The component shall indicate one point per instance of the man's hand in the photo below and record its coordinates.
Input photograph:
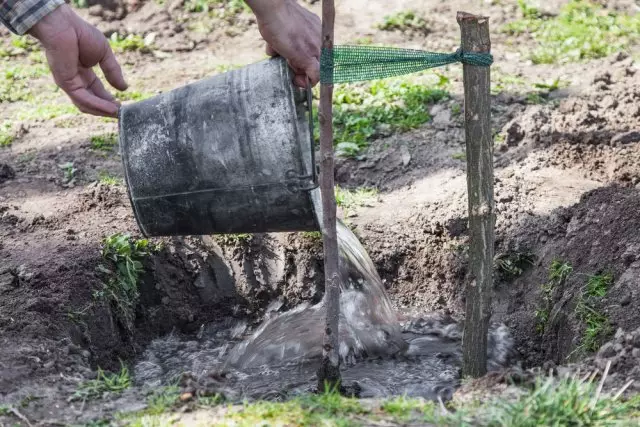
(73, 47)
(292, 32)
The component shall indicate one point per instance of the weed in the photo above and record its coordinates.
(459, 156)
(456, 109)
(80, 4)
(124, 256)
(163, 399)
(210, 401)
(348, 200)
(104, 142)
(77, 316)
(46, 111)
(559, 271)
(312, 235)
(130, 43)
(24, 42)
(563, 403)
(132, 95)
(597, 326)
(69, 172)
(5, 410)
(582, 30)
(104, 383)
(364, 112)
(236, 239)
(6, 134)
(511, 265)
(598, 285)
(225, 9)
(404, 408)
(405, 21)
(105, 178)
(363, 41)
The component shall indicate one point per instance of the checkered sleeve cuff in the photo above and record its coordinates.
(20, 15)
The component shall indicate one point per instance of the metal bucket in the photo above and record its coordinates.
(232, 153)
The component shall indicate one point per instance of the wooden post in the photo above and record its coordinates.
(329, 371)
(477, 121)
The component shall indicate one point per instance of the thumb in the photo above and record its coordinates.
(271, 51)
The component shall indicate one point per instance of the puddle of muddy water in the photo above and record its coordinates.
(381, 356)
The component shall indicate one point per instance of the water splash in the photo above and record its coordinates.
(420, 357)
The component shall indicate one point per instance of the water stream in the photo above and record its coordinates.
(380, 355)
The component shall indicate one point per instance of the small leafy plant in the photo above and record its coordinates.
(405, 21)
(69, 172)
(122, 270)
(104, 383)
(597, 326)
(104, 142)
(559, 272)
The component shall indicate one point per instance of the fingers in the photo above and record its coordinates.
(270, 51)
(111, 68)
(90, 103)
(313, 72)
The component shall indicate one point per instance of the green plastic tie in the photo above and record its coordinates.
(345, 64)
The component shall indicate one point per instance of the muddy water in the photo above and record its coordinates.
(380, 355)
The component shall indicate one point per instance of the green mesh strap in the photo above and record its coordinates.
(344, 64)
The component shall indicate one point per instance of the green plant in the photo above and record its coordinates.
(597, 325)
(566, 402)
(404, 409)
(582, 30)
(6, 134)
(511, 265)
(132, 95)
(105, 178)
(46, 111)
(405, 21)
(559, 272)
(5, 410)
(124, 257)
(130, 43)
(69, 172)
(80, 4)
(459, 156)
(456, 109)
(236, 239)
(162, 399)
(104, 142)
(599, 284)
(104, 383)
(218, 8)
(348, 200)
(312, 235)
(366, 111)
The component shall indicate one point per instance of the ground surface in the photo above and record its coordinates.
(567, 196)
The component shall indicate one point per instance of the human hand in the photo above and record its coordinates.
(73, 47)
(292, 32)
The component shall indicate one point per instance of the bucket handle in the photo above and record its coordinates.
(291, 175)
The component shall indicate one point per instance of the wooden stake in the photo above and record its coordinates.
(329, 371)
(477, 121)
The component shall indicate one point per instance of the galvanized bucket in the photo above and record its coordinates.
(232, 153)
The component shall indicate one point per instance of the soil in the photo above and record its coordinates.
(567, 187)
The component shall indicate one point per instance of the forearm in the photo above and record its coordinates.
(20, 15)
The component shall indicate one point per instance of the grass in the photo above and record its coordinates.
(46, 111)
(348, 200)
(597, 325)
(462, 156)
(104, 383)
(364, 112)
(549, 402)
(405, 21)
(107, 179)
(6, 134)
(559, 272)
(582, 30)
(104, 142)
(130, 43)
(132, 95)
(511, 265)
(123, 258)
(236, 239)
(69, 172)
(224, 9)
(312, 235)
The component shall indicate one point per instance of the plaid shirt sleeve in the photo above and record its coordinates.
(20, 15)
